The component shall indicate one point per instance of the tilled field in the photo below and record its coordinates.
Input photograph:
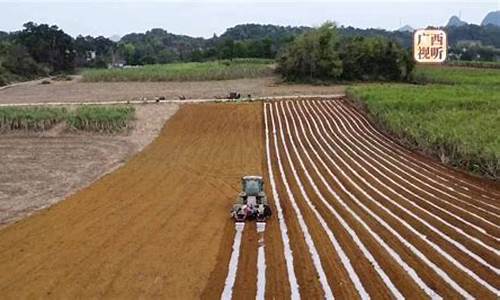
(360, 217)
(355, 216)
(152, 228)
(41, 168)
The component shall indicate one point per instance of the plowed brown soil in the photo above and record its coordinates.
(159, 226)
(154, 228)
(39, 169)
(382, 205)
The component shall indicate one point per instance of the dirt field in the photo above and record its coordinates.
(40, 169)
(355, 216)
(77, 91)
(153, 228)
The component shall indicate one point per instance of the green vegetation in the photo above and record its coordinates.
(457, 75)
(218, 70)
(475, 64)
(106, 119)
(157, 46)
(40, 49)
(322, 55)
(312, 56)
(458, 122)
(17, 65)
(101, 119)
(30, 118)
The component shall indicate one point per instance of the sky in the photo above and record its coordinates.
(204, 18)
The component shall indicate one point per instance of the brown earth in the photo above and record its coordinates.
(78, 91)
(40, 169)
(152, 228)
(159, 226)
(368, 194)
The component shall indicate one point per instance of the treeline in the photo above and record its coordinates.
(323, 55)
(241, 41)
(39, 50)
(267, 41)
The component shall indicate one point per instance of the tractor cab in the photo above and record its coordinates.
(252, 185)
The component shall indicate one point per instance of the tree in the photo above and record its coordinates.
(312, 56)
(321, 55)
(127, 51)
(48, 45)
(226, 49)
(17, 64)
(375, 58)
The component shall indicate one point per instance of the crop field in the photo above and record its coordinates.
(458, 75)
(107, 119)
(216, 70)
(352, 222)
(33, 118)
(354, 216)
(476, 64)
(458, 122)
(101, 119)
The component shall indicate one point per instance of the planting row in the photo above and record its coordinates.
(456, 123)
(107, 119)
(360, 216)
(217, 70)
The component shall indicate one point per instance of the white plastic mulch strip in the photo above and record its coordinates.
(227, 293)
(292, 279)
(300, 218)
(410, 271)
(261, 262)
(444, 275)
(336, 245)
(427, 224)
(423, 237)
(403, 154)
(378, 147)
(344, 258)
(402, 178)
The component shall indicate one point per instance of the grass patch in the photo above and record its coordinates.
(217, 70)
(458, 123)
(457, 75)
(475, 64)
(30, 118)
(96, 118)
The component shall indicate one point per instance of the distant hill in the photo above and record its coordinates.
(158, 45)
(492, 18)
(406, 28)
(258, 31)
(455, 22)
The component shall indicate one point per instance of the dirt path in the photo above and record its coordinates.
(77, 91)
(153, 228)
